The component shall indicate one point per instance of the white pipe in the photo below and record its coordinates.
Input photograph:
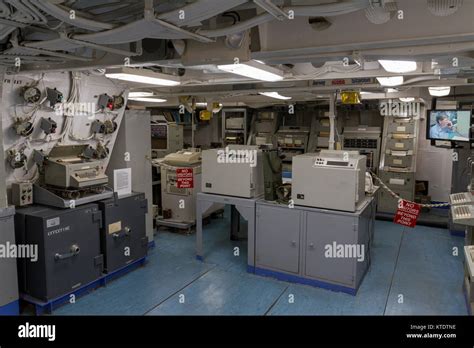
(332, 123)
(62, 13)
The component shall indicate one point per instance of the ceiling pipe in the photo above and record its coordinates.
(327, 10)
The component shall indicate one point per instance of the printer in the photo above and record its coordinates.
(184, 157)
(330, 179)
(236, 170)
(66, 167)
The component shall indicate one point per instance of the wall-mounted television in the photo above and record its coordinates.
(450, 125)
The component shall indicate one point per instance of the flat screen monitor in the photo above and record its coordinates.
(451, 125)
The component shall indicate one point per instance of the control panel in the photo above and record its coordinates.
(461, 198)
(463, 214)
(22, 193)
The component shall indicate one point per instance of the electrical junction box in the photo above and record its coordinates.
(238, 172)
(68, 254)
(330, 179)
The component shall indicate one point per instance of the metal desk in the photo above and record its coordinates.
(245, 206)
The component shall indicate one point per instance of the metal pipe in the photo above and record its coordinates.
(332, 119)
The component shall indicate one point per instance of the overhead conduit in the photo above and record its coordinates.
(63, 14)
(164, 26)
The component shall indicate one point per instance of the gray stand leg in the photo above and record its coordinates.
(201, 208)
(249, 215)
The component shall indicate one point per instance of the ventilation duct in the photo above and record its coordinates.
(443, 8)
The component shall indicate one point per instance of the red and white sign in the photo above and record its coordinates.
(184, 178)
(407, 213)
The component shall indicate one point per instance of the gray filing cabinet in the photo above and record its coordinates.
(8, 270)
(292, 242)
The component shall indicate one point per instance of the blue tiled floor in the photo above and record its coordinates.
(415, 263)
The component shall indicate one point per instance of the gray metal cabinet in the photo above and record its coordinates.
(293, 244)
(323, 231)
(278, 238)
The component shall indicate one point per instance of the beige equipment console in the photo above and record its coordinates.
(66, 168)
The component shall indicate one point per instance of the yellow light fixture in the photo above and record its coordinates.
(205, 115)
(350, 97)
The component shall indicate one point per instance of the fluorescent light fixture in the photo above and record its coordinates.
(201, 104)
(398, 66)
(148, 100)
(275, 95)
(407, 99)
(254, 70)
(392, 90)
(390, 81)
(140, 94)
(439, 91)
(142, 76)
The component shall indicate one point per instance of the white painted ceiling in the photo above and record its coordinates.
(98, 34)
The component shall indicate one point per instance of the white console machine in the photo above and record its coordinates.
(329, 179)
(236, 170)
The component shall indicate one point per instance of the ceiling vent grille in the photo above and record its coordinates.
(443, 8)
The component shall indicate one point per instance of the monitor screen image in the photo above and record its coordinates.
(453, 125)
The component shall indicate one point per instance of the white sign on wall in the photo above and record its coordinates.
(123, 181)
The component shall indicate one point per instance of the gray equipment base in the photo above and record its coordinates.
(292, 244)
(43, 196)
(245, 206)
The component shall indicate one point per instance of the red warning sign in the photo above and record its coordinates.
(184, 178)
(407, 213)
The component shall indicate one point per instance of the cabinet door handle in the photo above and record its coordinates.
(293, 242)
(311, 245)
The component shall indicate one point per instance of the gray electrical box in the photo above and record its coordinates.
(123, 235)
(22, 193)
(8, 267)
(68, 249)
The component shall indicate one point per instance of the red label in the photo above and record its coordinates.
(184, 178)
(338, 82)
(407, 213)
